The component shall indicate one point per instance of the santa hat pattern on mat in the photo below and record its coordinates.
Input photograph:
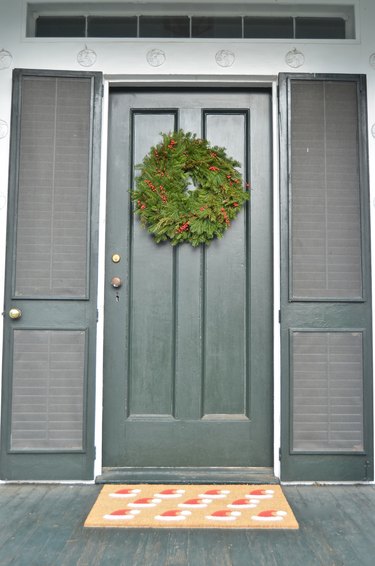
(121, 514)
(170, 493)
(270, 515)
(243, 504)
(145, 502)
(173, 515)
(260, 494)
(215, 493)
(224, 515)
(125, 493)
(197, 503)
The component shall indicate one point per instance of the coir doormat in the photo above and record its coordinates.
(192, 506)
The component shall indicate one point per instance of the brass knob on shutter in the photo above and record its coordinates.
(15, 313)
(116, 282)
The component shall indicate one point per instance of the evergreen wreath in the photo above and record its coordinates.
(166, 205)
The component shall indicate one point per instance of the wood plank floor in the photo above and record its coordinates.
(41, 525)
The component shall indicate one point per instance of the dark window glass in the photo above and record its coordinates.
(216, 27)
(111, 27)
(60, 26)
(320, 28)
(268, 27)
(164, 26)
(201, 26)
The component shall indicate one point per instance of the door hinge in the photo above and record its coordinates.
(94, 452)
(102, 91)
(279, 316)
(280, 453)
(97, 315)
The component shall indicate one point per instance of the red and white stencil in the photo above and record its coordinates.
(125, 493)
(260, 494)
(224, 515)
(243, 504)
(170, 493)
(215, 493)
(270, 515)
(121, 514)
(173, 515)
(198, 503)
(144, 502)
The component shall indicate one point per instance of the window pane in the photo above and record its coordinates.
(325, 191)
(268, 27)
(111, 27)
(327, 391)
(216, 27)
(164, 26)
(60, 26)
(320, 28)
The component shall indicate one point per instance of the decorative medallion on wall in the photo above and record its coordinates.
(156, 57)
(225, 58)
(372, 60)
(294, 58)
(373, 131)
(86, 57)
(3, 129)
(5, 59)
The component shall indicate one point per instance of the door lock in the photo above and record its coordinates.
(15, 313)
(116, 258)
(116, 282)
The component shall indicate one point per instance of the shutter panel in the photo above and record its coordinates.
(325, 195)
(326, 285)
(53, 188)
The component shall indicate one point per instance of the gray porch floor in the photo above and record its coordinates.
(41, 525)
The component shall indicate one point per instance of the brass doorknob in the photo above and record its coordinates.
(15, 313)
(116, 282)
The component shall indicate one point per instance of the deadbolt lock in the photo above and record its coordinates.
(116, 258)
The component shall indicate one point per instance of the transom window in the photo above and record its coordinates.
(256, 21)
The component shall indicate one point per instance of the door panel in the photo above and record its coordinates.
(188, 337)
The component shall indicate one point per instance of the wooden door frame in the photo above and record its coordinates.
(186, 81)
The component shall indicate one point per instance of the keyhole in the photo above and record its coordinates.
(117, 297)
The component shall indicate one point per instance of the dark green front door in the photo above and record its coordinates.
(188, 336)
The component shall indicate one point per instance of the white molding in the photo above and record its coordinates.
(98, 435)
(276, 285)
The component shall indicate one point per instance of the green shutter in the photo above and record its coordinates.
(326, 280)
(51, 276)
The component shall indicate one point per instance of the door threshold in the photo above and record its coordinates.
(188, 475)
